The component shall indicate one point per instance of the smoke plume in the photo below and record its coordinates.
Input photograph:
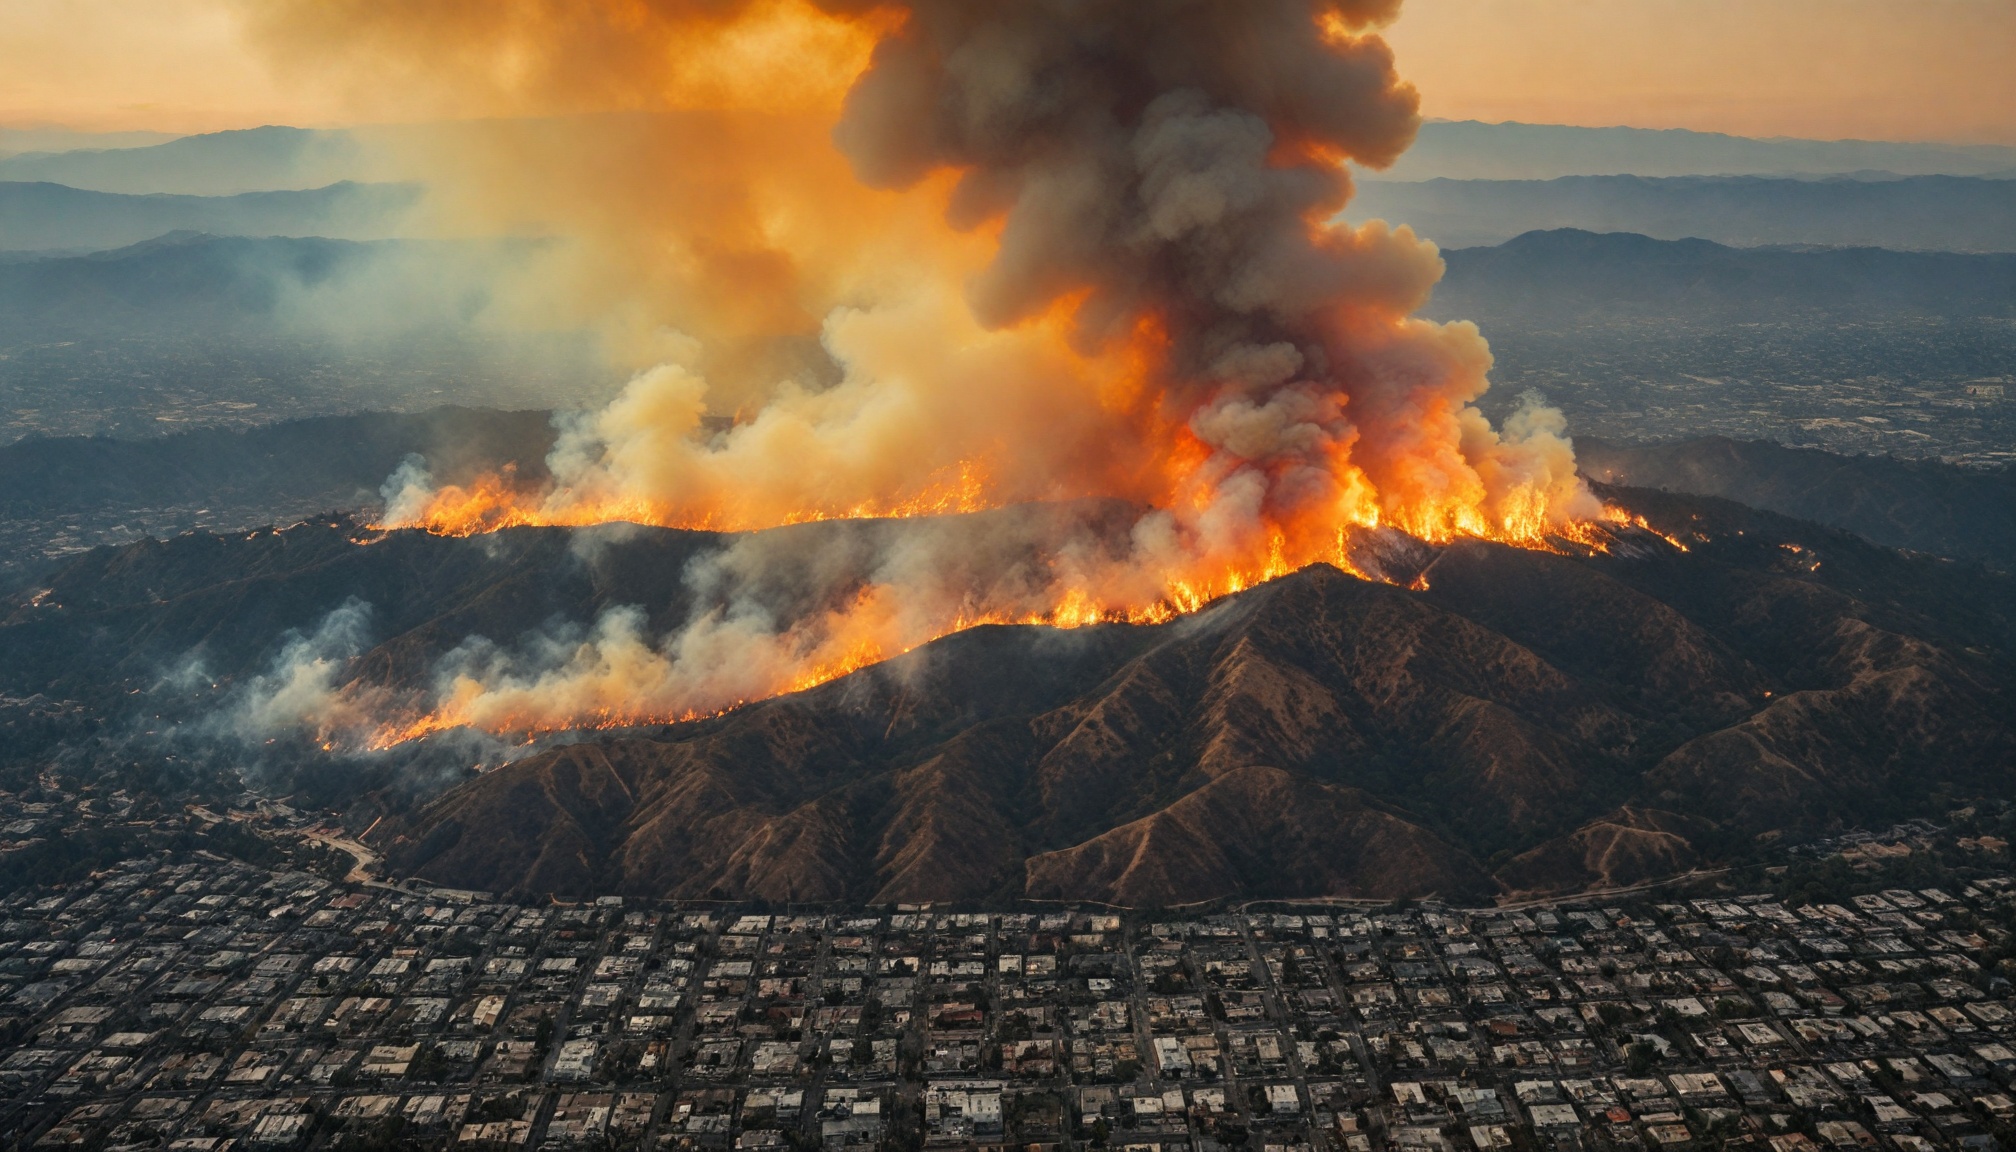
(889, 259)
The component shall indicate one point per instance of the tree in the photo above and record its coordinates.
(430, 1065)
(1639, 1058)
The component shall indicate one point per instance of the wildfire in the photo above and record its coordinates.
(946, 257)
(868, 630)
(493, 502)
(1615, 515)
(1224, 521)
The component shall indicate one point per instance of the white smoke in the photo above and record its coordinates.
(301, 691)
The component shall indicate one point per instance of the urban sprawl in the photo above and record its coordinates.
(192, 1001)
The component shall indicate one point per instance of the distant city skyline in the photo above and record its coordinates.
(1823, 69)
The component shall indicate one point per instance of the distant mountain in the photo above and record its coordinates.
(52, 216)
(177, 281)
(1528, 723)
(1470, 150)
(187, 282)
(1573, 276)
(331, 462)
(1944, 213)
(1918, 504)
(213, 164)
(192, 330)
(190, 278)
(276, 157)
(14, 141)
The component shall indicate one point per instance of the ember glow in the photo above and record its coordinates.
(1048, 251)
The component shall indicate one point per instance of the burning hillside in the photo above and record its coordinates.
(954, 256)
(1602, 715)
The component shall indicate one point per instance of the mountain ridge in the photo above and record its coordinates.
(264, 159)
(1922, 505)
(46, 215)
(1935, 213)
(1403, 720)
(1500, 722)
(1569, 276)
(1511, 150)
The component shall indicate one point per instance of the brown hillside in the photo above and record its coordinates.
(1589, 722)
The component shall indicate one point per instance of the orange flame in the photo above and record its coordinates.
(864, 633)
(492, 503)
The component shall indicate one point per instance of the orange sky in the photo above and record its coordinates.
(1879, 69)
(1828, 69)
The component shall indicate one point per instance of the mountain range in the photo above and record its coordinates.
(272, 157)
(180, 282)
(47, 139)
(1569, 276)
(188, 281)
(265, 159)
(1944, 213)
(43, 216)
(1473, 150)
(1517, 722)
(329, 462)
(1528, 724)
(1922, 505)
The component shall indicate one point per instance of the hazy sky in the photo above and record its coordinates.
(1880, 69)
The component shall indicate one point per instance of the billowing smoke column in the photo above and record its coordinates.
(1170, 169)
(1078, 249)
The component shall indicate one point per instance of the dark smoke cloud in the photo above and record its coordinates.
(1174, 158)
